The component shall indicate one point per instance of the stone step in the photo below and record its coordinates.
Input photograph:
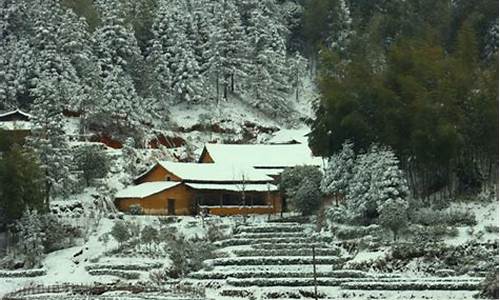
(251, 241)
(283, 274)
(261, 235)
(277, 260)
(271, 228)
(288, 252)
(363, 283)
(276, 246)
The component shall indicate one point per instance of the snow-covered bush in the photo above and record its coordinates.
(135, 209)
(339, 214)
(188, 255)
(120, 232)
(428, 217)
(489, 287)
(301, 185)
(354, 232)
(149, 234)
(92, 161)
(307, 198)
(393, 215)
(460, 218)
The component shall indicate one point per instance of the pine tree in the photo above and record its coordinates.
(29, 235)
(388, 181)
(339, 172)
(361, 200)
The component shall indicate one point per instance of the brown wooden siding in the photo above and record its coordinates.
(158, 173)
(205, 157)
(157, 204)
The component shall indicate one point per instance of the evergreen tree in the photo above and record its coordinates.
(339, 172)
(21, 183)
(29, 235)
(393, 215)
(93, 162)
(307, 198)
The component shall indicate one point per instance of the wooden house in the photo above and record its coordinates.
(272, 159)
(17, 124)
(188, 188)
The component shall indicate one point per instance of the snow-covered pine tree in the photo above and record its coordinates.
(297, 73)
(177, 67)
(16, 64)
(267, 77)
(360, 199)
(228, 49)
(339, 172)
(29, 236)
(115, 43)
(342, 30)
(388, 180)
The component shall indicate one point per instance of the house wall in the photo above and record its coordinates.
(274, 206)
(158, 173)
(157, 204)
(205, 158)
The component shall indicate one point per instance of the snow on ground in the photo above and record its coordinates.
(486, 213)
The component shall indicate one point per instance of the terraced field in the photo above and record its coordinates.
(274, 261)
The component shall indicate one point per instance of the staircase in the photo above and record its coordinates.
(274, 261)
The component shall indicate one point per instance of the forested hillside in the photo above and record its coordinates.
(418, 76)
(126, 63)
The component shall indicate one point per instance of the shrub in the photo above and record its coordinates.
(457, 217)
(393, 215)
(353, 232)
(149, 234)
(188, 256)
(307, 198)
(120, 232)
(339, 214)
(489, 287)
(428, 217)
(431, 233)
(93, 162)
(135, 209)
(491, 229)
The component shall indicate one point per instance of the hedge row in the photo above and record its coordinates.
(274, 246)
(266, 235)
(290, 282)
(22, 273)
(126, 267)
(236, 293)
(277, 260)
(263, 229)
(245, 241)
(299, 294)
(288, 252)
(413, 286)
(114, 272)
(278, 274)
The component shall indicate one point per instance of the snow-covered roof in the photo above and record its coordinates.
(252, 187)
(214, 172)
(16, 125)
(262, 155)
(146, 189)
(13, 112)
(289, 136)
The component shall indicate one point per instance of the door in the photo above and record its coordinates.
(171, 206)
